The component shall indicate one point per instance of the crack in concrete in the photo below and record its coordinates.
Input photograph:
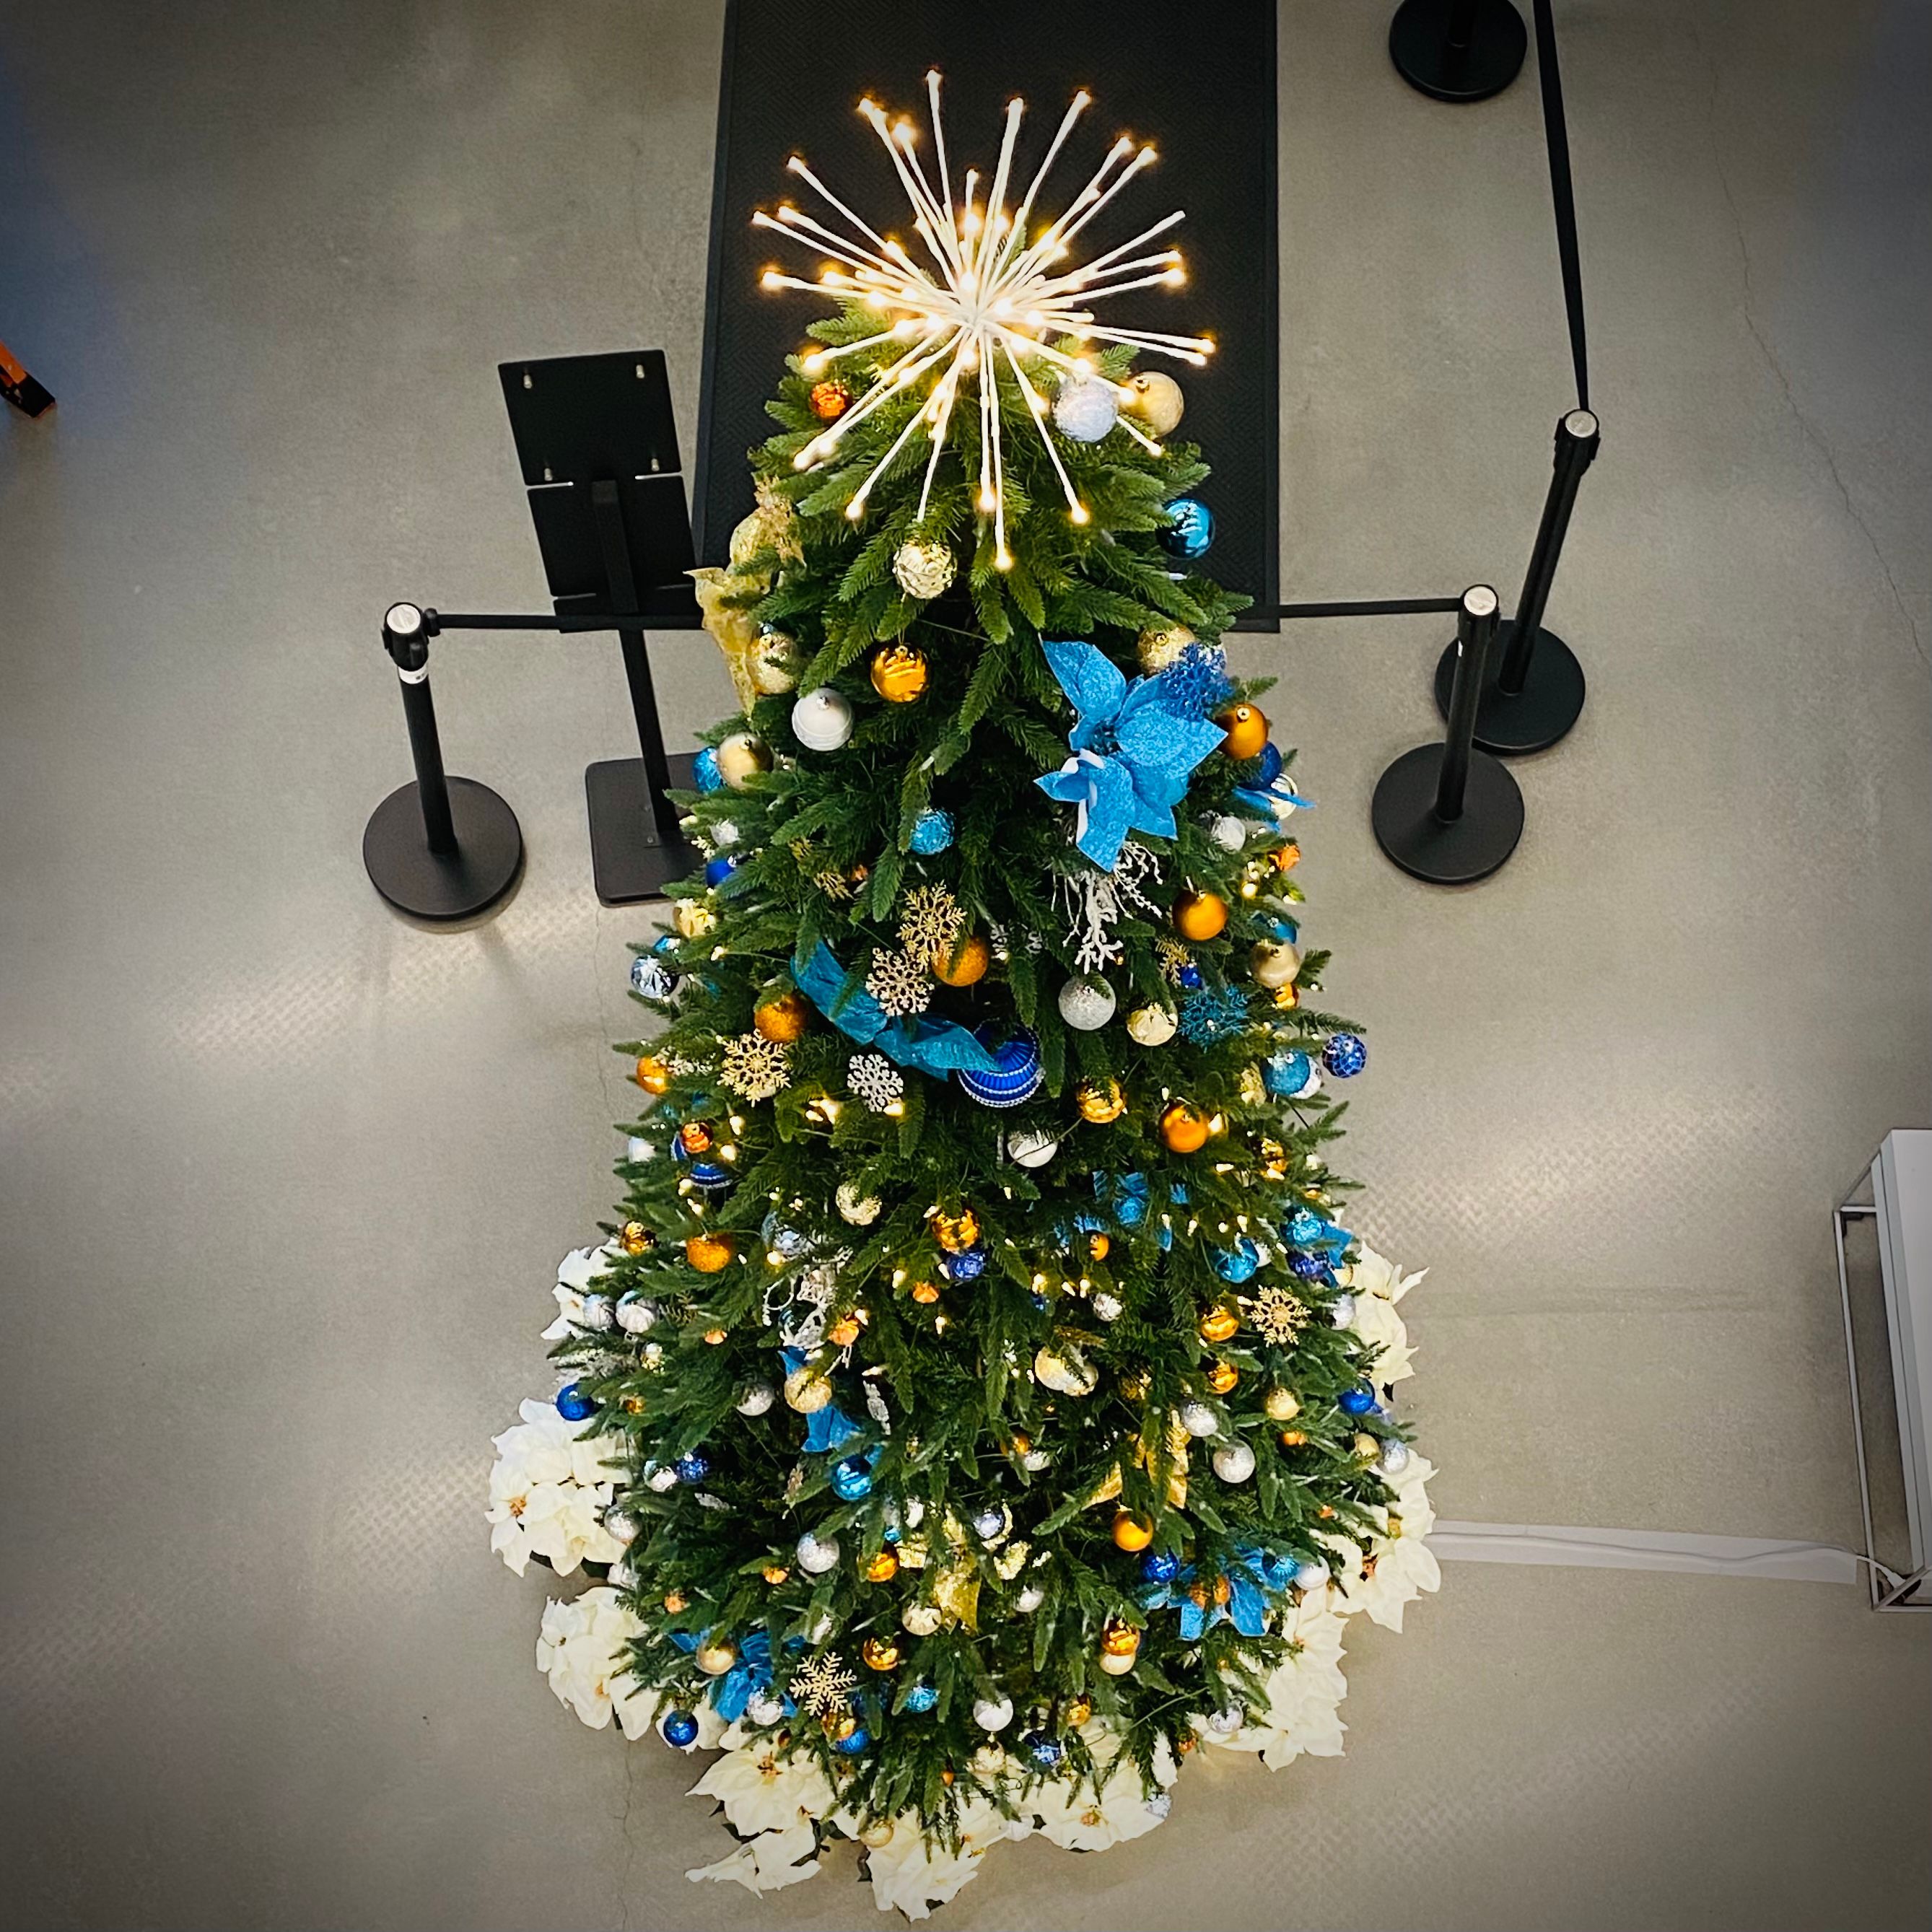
(624, 1830)
(1810, 430)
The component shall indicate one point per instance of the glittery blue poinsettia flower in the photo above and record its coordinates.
(1133, 747)
(1254, 1580)
(1213, 1014)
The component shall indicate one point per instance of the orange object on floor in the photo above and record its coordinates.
(20, 388)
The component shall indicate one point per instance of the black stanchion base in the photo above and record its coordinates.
(414, 880)
(1550, 701)
(1419, 45)
(628, 861)
(1408, 829)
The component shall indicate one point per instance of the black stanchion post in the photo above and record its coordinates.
(1449, 813)
(438, 847)
(1458, 49)
(1536, 692)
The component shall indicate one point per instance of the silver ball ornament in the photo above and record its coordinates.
(821, 720)
(1084, 410)
(1031, 1147)
(621, 1524)
(1107, 1307)
(762, 1708)
(756, 1398)
(1234, 1463)
(1393, 1459)
(1224, 1723)
(1341, 1310)
(660, 1476)
(1229, 832)
(1086, 1003)
(993, 1714)
(1197, 1419)
(817, 1554)
(1275, 966)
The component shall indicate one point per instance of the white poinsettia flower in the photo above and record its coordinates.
(769, 1862)
(548, 1491)
(582, 1649)
(762, 1790)
(1379, 1325)
(910, 1876)
(1106, 1744)
(1303, 1691)
(1078, 1816)
(574, 1274)
(1375, 1275)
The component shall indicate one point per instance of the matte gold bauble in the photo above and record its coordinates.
(676, 1601)
(878, 1833)
(1199, 916)
(926, 1293)
(1151, 1025)
(1183, 1127)
(965, 965)
(880, 1653)
(653, 1075)
(1134, 1385)
(830, 399)
(741, 757)
(900, 673)
(1222, 1377)
(1098, 1247)
(1275, 966)
(956, 1233)
(1132, 1531)
(1162, 645)
(1247, 731)
(1280, 1405)
(1157, 399)
(1101, 1101)
(710, 1254)
(1366, 1448)
(714, 1659)
(923, 569)
(1219, 1324)
(635, 1238)
(781, 1019)
(1252, 1089)
(882, 1569)
(807, 1389)
(1118, 1639)
(1116, 1667)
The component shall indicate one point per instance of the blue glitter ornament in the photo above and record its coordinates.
(1238, 1264)
(704, 772)
(1211, 1016)
(1159, 1566)
(1284, 1075)
(693, 1468)
(1309, 1268)
(854, 1741)
(652, 978)
(1197, 680)
(921, 1696)
(573, 1405)
(1190, 977)
(1044, 1748)
(967, 1265)
(1283, 931)
(932, 831)
(1268, 763)
(1345, 1056)
(1015, 1075)
(664, 945)
(1192, 532)
(718, 870)
(1304, 1228)
(679, 1728)
(1359, 1400)
(851, 1479)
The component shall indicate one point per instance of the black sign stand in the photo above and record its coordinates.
(1458, 49)
(598, 446)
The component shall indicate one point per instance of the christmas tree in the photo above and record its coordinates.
(981, 1400)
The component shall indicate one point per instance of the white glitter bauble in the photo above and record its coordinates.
(660, 1476)
(1030, 1147)
(993, 1714)
(1086, 1003)
(1311, 1576)
(1083, 412)
(1197, 1419)
(989, 1760)
(724, 833)
(1234, 1463)
(821, 720)
(636, 1148)
(1029, 1600)
(756, 1398)
(636, 1315)
(1150, 1026)
(817, 1555)
(923, 570)
(762, 1708)
(1341, 1310)
(1393, 1459)
(621, 1524)
(1229, 832)
(622, 1576)
(598, 1312)
(861, 1210)
(920, 1619)
(1157, 400)
(1108, 1307)
(1035, 1459)
(1224, 1723)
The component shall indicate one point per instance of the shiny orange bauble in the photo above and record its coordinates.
(1247, 730)
(1131, 1531)
(830, 399)
(965, 965)
(956, 1233)
(1293, 1438)
(1285, 858)
(695, 1137)
(1183, 1127)
(1219, 1324)
(709, 1253)
(924, 1291)
(782, 1019)
(775, 1573)
(714, 1337)
(635, 1238)
(1198, 916)
(900, 673)
(880, 1653)
(1101, 1101)
(843, 1332)
(653, 1075)
(882, 1568)
(1119, 1639)
(1222, 1377)
(1098, 1247)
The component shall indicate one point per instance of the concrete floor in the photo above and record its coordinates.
(284, 1178)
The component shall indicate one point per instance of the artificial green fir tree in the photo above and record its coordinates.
(986, 1410)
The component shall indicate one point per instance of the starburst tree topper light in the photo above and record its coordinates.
(997, 290)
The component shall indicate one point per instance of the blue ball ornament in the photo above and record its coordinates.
(709, 1175)
(1159, 1566)
(1267, 762)
(652, 978)
(851, 1479)
(1284, 1075)
(693, 1468)
(718, 870)
(1283, 932)
(573, 1405)
(1345, 1056)
(1190, 977)
(1192, 531)
(855, 1741)
(1044, 1748)
(1309, 1267)
(1015, 1075)
(1305, 1229)
(679, 1728)
(704, 771)
(967, 1265)
(1238, 1264)
(932, 831)
(921, 1696)
(1359, 1400)
(665, 944)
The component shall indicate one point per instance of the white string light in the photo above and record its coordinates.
(992, 292)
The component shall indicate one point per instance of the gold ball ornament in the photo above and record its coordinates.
(1134, 1385)
(807, 1389)
(714, 1659)
(1162, 645)
(710, 1254)
(1219, 1324)
(1280, 1405)
(1118, 1639)
(775, 663)
(714, 1337)
(1076, 1711)
(877, 1834)
(1098, 1247)
(965, 965)
(830, 399)
(741, 757)
(1222, 1377)
(749, 537)
(693, 919)
(1100, 1101)
(1275, 966)
(1119, 1666)
(635, 1238)
(653, 1075)
(781, 1019)
(676, 1601)
(925, 1293)
(1199, 916)
(1366, 1448)
(1247, 728)
(1132, 1532)
(774, 1574)
(882, 1569)
(880, 1653)
(900, 673)
(923, 570)
(956, 1233)
(1183, 1127)
(1157, 399)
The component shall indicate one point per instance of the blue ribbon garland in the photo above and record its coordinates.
(825, 1429)
(1254, 1578)
(731, 1693)
(935, 1047)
